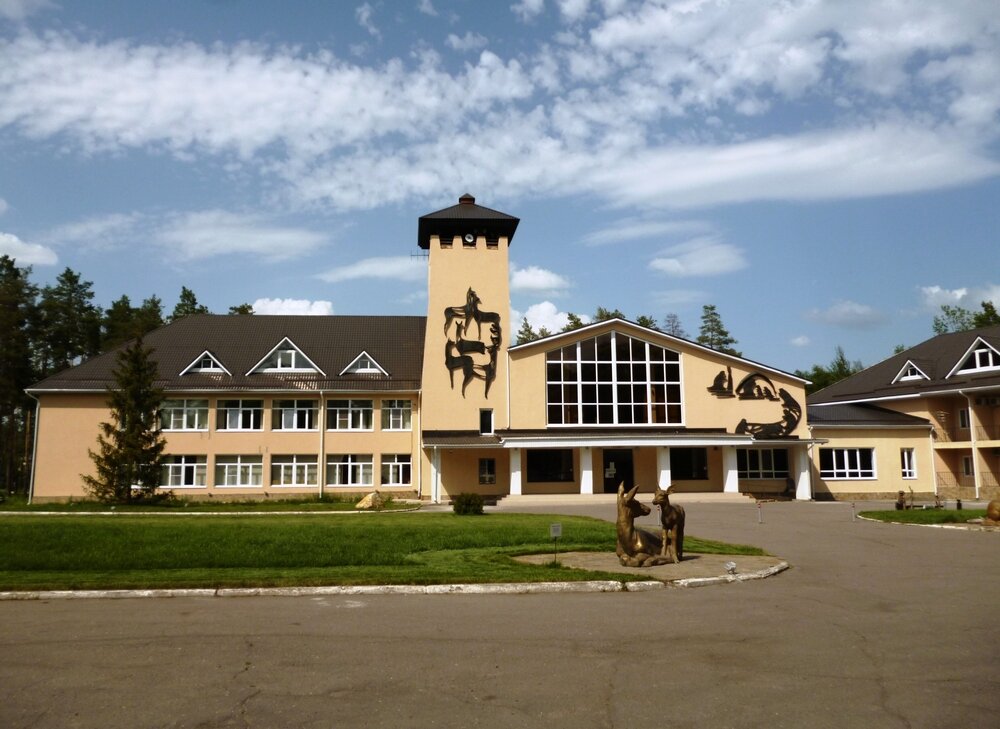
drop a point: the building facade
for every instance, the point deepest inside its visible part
(436, 405)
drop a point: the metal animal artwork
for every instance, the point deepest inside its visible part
(791, 413)
(756, 387)
(722, 385)
(474, 357)
(672, 524)
(636, 548)
(461, 312)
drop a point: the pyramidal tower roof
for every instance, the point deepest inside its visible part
(466, 217)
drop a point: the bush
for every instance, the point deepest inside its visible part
(465, 504)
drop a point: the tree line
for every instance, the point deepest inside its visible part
(46, 329)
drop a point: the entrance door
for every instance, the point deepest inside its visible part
(617, 469)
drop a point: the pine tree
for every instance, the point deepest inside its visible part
(526, 334)
(130, 447)
(838, 369)
(646, 321)
(149, 316)
(71, 324)
(119, 323)
(603, 314)
(713, 334)
(241, 309)
(672, 326)
(187, 305)
(573, 322)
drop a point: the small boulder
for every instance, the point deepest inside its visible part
(372, 502)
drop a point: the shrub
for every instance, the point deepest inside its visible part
(465, 504)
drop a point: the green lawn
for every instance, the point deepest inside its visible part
(926, 516)
(98, 552)
(175, 506)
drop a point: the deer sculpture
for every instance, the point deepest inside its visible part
(672, 523)
(636, 548)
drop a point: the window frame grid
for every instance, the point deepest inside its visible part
(399, 464)
(363, 462)
(185, 408)
(181, 464)
(308, 407)
(255, 411)
(249, 465)
(846, 465)
(393, 409)
(908, 463)
(747, 472)
(295, 464)
(359, 407)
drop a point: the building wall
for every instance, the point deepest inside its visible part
(68, 426)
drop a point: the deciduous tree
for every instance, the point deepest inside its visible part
(957, 319)
(672, 326)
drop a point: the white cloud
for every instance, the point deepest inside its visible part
(97, 232)
(704, 256)
(678, 297)
(293, 306)
(3, 206)
(363, 13)
(536, 280)
(427, 8)
(26, 254)
(468, 42)
(573, 10)
(543, 315)
(632, 229)
(195, 236)
(800, 341)
(400, 268)
(934, 297)
(21, 9)
(849, 315)
(528, 9)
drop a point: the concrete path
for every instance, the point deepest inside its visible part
(874, 625)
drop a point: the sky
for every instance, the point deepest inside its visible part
(825, 173)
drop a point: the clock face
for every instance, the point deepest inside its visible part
(470, 238)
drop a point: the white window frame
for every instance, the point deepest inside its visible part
(963, 419)
(356, 414)
(287, 414)
(909, 373)
(968, 467)
(349, 470)
(205, 362)
(487, 471)
(397, 415)
(486, 421)
(285, 356)
(239, 471)
(764, 468)
(908, 463)
(847, 465)
(243, 410)
(396, 469)
(987, 359)
(364, 364)
(177, 470)
(184, 414)
(294, 471)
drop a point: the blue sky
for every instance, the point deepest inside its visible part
(825, 173)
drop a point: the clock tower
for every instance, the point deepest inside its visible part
(468, 317)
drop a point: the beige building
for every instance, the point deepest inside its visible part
(429, 407)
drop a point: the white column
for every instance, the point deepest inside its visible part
(731, 485)
(435, 476)
(515, 472)
(586, 471)
(803, 479)
(663, 468)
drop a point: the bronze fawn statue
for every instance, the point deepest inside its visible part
(672, 521)
(636, 548)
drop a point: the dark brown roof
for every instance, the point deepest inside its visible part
(861, 416)
(466, 217)
(936, 358)
(239, 343)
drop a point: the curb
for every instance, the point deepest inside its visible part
(511, 588)
(966, 527)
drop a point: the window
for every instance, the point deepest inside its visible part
(689, 464)
(240, 415)
(184, 415)
(488, 470)
(239, 470)
(396, 470)
(293, 471)
(349, 470)
(363, 364)
(967, 467)
(963, 418)
(909, 373)
(285, 357)
(294, 415)
(613, 379)
(982, 357)
(837, 463)
(550, 465)
(396, 414)
(485, 422)
(208, 364)
(184, 472)
(908, 462)
(761, 463)
(349, 415)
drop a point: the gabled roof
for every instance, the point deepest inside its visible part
(980, 343)
(364, 354)
(194, 366)
(862, 416)
(466, 217)
(243, 341)
(637, 330)
(937, 358)
(285, 344)
(909, 366)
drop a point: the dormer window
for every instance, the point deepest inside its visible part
(364, 364)
(206, 363)
(980, 357)
(286, 357)
(910, 373)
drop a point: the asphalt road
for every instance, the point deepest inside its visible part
(874, 626)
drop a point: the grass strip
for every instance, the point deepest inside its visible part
(414, 548)
(926, 516)
(180, 506)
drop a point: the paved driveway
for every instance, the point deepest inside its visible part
(874, 626)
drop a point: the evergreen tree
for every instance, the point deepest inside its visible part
(187, 305)
(603, 314)
(543, 332)
(646, 321)
(18, 321)
(241, 309)
(838, 369)
(713, 334)
(71, 324)
(574, 322)
(130, 447)
(149, 315)
(672, 326)
(119, 324)
(526, 334)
